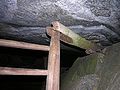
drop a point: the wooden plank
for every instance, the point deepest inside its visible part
(23, 45)
(21, 71)
(54, 62)
(63, 37)
(75, 39)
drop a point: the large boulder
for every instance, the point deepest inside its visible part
(100, 71)
(96, 20)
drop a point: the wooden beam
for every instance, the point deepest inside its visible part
(23, 45)
(21, 71)
(54, 62)
(63, 37)
(75, 39)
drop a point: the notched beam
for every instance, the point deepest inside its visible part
(69, 37)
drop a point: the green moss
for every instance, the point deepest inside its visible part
(81, 67)
(86, 66)
(78, 41)
(105, 66)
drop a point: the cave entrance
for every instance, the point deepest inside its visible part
(30, 57)
(53, 65)
(19, 58)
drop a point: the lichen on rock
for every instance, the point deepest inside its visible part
(100, 71)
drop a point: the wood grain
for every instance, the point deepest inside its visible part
(23, 45)
(21, 71)
(54, 62)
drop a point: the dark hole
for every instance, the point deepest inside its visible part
(20, 58)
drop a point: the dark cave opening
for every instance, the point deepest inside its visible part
(20, 58)
(22, 82)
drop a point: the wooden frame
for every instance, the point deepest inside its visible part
(23, 45)
(21, 71)
(54, 62)
(53, 71)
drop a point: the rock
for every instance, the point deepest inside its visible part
(94, 72)
(95, 20)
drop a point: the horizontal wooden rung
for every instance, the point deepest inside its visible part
(23, 45)
(22, 71)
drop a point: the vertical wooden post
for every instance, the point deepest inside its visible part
(54, 62)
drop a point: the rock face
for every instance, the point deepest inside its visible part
(96, 20)
(95, 72)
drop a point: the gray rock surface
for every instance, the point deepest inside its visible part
(94, 72)
(96, 20)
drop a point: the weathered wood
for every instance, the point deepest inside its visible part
(77, 40)
(63, 37)
(54, 62)
(23, 45)
(21, 71)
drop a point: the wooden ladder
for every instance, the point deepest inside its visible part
(53, 71)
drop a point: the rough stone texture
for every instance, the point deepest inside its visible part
(28, 34)
(95, 72)
(81, 75)
(96, 20)
(109, 71)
